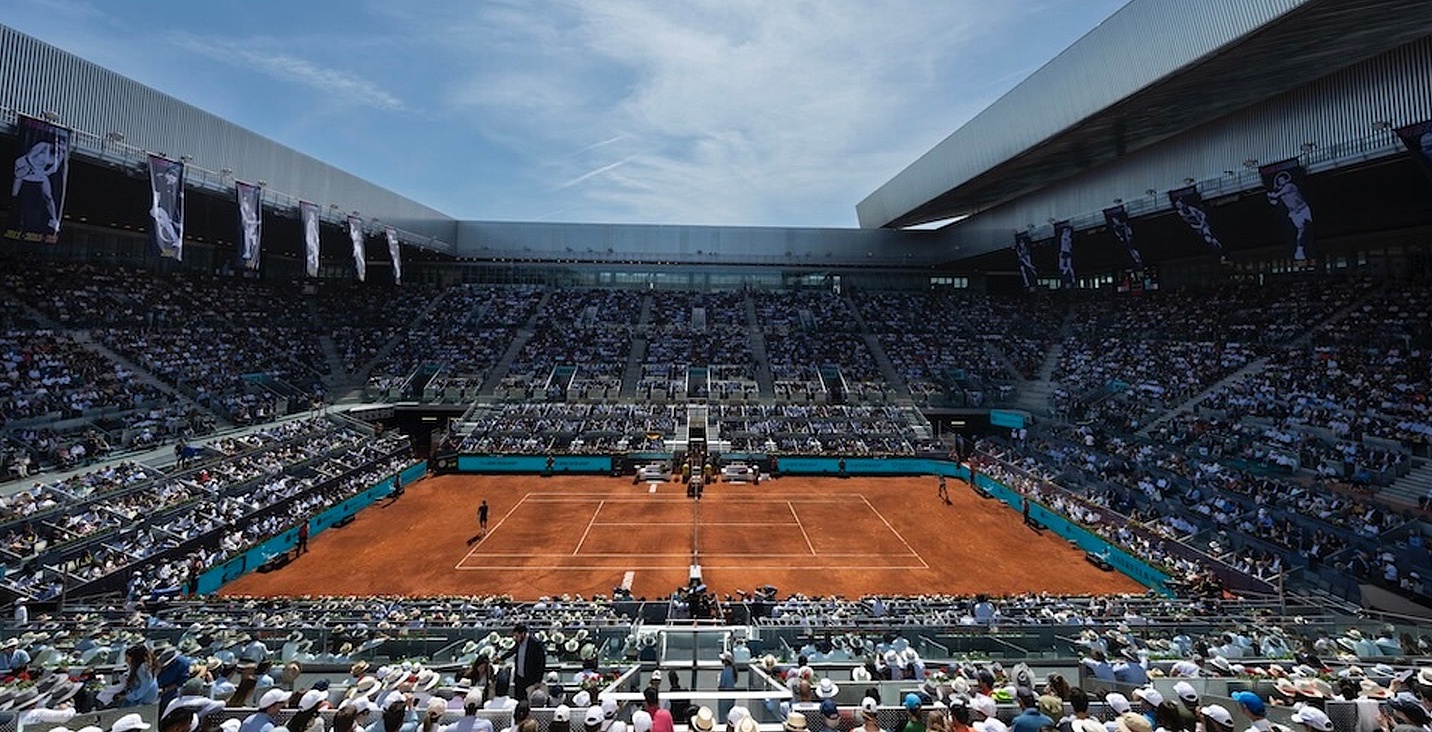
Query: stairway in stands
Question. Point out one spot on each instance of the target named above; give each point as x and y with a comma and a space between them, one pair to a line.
360, 377
882, 360
524, 334
141, 374
1033, 395
764, 380
1188, 405
631, 373
1406, 491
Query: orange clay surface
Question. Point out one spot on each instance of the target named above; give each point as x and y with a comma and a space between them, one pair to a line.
583, 534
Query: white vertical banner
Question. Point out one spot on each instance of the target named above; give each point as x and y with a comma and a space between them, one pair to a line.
166, 208
355, 234
309, 213
250, 223
395, 253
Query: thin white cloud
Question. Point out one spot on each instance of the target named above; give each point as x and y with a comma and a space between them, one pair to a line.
745, 111
594, 173
337, 84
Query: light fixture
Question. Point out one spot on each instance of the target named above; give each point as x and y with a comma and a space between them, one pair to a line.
1381, 125
115, 136
263, 183
1309, 147
1188, 181
50, 115
1118, 200
186, 158
1151, 192
1051, 219
1229, 173
1250, 163
226, 173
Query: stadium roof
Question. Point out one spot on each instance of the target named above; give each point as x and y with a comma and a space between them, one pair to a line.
1152, 70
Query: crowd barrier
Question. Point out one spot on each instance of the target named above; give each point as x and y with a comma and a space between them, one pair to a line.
534, 463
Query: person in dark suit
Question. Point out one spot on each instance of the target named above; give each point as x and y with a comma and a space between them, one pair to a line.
529, 662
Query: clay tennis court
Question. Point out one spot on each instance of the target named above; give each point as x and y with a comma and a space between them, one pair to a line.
582, 534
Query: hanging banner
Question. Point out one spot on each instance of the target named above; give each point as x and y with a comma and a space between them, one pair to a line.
309, 213
395, 254
1064, 237
1118, 220
251, 223
41, 171
1189, 206
355, 234
1418, 139
1025, 260
166, 208
1285, 182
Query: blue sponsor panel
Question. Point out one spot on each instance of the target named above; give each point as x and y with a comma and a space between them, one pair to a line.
861, 466
1005, 418
237, 566
533, 464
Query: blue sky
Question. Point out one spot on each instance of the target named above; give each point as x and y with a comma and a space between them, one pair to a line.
743, 112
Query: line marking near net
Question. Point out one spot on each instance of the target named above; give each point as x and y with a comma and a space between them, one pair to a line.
495, 527
801, 526
583, 540
897, 534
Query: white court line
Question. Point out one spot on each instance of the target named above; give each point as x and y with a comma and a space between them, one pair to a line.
668, 498
627, 580
505, 555
801, 526
589, 528
704, 566
652, 487
896, 533
495, 526
688, 523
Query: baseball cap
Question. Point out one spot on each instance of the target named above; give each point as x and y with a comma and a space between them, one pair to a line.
270, 698
1250, 701
1149, 694
562, 713
868, 707
1185, 691
828, 709
609, 708
985, 705
1118, 702
641, 720
912, 701
1218, 715
593, 716
1314, 718
128, 722
311, 699
1051, 706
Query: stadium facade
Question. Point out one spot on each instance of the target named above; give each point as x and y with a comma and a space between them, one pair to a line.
1161, 95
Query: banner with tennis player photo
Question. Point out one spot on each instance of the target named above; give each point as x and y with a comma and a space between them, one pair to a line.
251, 223
308, 212
395, 254
1064, 238
166, 206
1189, 206
1418, 139
1285, 183
355, 234
1117, 217
41, 171
1024, 259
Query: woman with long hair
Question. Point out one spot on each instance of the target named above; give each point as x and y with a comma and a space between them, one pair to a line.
140, 686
